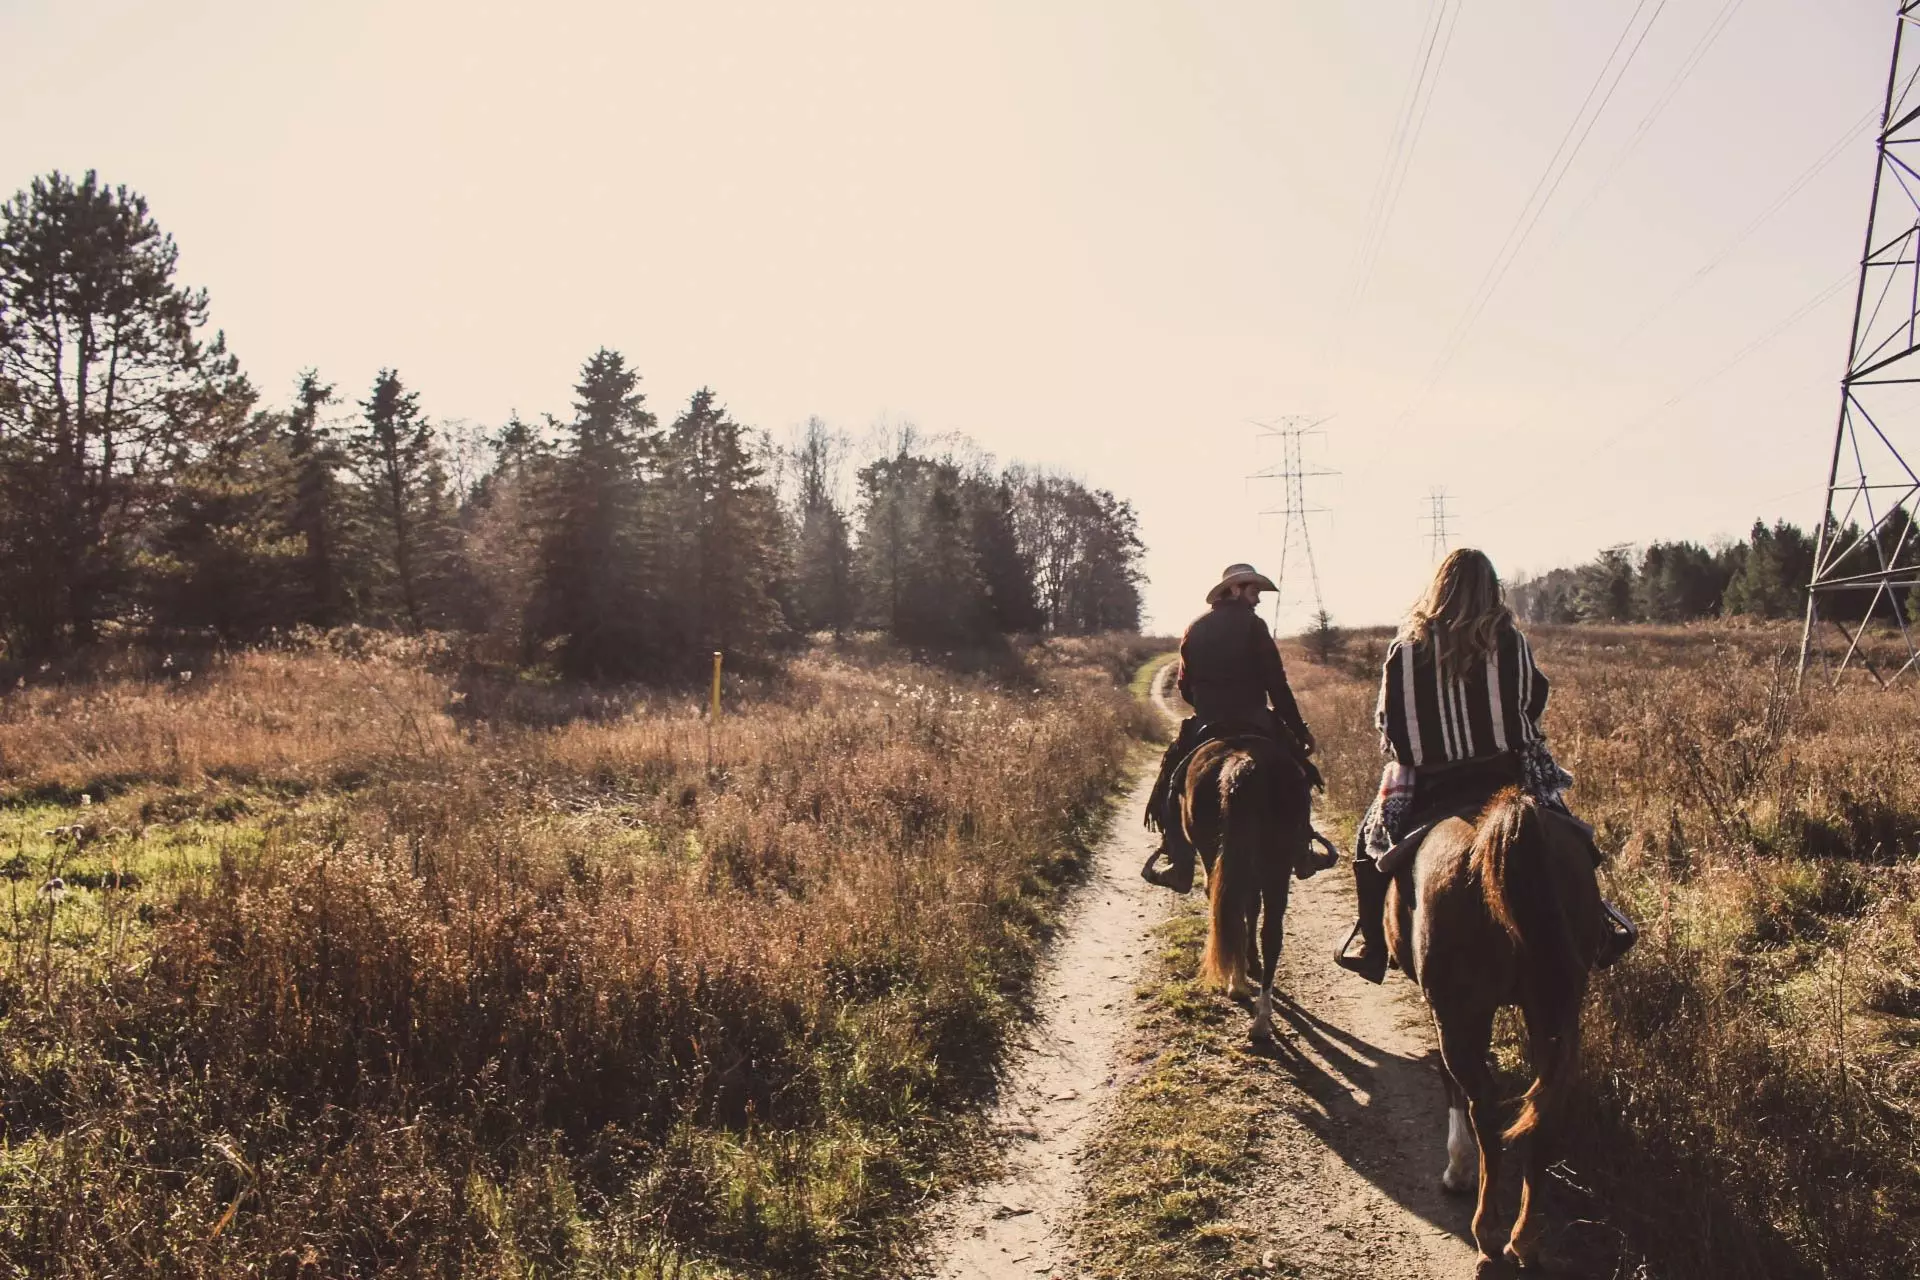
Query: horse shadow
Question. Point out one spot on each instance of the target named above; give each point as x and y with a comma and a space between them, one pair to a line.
1383, 1113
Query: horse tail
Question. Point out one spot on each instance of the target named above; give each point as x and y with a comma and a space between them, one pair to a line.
1510, 857
1233, 878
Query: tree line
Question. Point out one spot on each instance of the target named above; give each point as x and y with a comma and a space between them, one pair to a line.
147, 490
1765, 576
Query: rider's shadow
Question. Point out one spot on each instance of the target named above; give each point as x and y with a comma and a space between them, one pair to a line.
1370, 1099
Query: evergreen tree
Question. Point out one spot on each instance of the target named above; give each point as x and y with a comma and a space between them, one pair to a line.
105, 386
728, 526
392, 448
1771, 578
1005, 571
1680, 581
318, 514
823, 579
590, 597
1606, 589
221, 557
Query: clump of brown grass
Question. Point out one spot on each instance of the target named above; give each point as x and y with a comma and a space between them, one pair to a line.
505, 995
1754, 1066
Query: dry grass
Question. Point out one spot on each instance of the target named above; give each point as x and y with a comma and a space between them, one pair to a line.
361, 967
1753, 1071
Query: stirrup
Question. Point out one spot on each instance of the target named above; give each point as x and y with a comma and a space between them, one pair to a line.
1310, 864
1372, 968
1622, 933
1167, 877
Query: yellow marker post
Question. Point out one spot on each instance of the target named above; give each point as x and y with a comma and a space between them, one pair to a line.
713, 709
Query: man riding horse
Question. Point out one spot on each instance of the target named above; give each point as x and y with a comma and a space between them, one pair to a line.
1459, 717
1231, 674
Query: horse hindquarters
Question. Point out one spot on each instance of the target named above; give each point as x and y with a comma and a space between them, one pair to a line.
1516, 861
1511, 855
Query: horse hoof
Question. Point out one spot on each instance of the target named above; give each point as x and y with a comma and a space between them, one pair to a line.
1260, 1033
1521, 1260
1490, 1269
1458, 1186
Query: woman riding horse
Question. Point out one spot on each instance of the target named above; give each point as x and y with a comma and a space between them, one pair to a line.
1459, 717
1230, 669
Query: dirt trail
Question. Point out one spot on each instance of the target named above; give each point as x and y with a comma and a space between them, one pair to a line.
1349, 1172
1068, 1071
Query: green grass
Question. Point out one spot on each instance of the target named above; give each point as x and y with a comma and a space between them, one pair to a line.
1141, 685
1182, 1141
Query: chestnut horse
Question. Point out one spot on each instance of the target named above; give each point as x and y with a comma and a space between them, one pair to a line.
1501, 911
1251, 839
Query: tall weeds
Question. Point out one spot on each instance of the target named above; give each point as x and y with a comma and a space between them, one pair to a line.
528, 990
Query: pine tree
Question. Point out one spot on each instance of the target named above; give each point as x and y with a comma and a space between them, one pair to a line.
727, 527
1771, 578
1006, 573
1606, 588
221, 558
317, 514
392, 447
592, 593
105, 384
822, 597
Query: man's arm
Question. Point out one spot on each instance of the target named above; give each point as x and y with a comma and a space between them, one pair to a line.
1181, 680
1273, 675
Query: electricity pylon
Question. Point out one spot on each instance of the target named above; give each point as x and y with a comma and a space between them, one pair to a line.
1292, 473
1436, 521
1865, 560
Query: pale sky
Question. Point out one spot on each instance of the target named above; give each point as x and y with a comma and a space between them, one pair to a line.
1097, 235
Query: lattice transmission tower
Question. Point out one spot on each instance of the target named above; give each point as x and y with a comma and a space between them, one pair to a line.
1866, 555
1436, 521
1292, 473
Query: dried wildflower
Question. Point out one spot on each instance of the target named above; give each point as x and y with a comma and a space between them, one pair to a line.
54, 889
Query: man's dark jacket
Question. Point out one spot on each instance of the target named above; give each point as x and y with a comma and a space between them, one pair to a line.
1230, 667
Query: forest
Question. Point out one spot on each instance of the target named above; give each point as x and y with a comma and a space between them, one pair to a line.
1763, 578
150, 491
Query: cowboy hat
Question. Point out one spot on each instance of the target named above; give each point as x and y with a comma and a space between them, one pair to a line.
1235, 575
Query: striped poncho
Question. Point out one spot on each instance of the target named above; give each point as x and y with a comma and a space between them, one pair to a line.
1430, 715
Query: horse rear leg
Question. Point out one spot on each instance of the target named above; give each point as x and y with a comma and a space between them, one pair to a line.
1465, 1036
1272, 934
1550, 1055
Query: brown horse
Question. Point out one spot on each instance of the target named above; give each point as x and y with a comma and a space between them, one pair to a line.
1501, 911
1251, 839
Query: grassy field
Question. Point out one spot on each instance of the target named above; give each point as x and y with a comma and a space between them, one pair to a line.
335, 961
1753, 1068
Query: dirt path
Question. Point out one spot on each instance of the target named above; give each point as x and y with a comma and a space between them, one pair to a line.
1353, 1126
1067, 1073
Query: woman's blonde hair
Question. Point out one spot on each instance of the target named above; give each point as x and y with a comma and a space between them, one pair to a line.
1463, 607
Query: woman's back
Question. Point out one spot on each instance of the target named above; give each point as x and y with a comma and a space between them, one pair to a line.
1441, 706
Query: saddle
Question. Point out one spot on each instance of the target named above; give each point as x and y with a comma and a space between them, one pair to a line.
1279, 754
1444, 792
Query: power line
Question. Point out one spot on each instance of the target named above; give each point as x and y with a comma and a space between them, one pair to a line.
1543, 190
1418, 103
1794, 188
1687, 67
